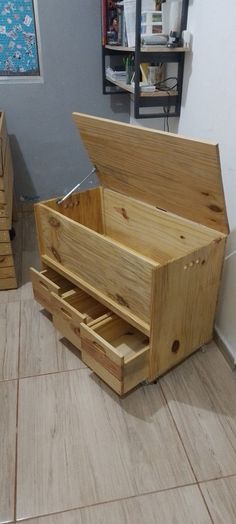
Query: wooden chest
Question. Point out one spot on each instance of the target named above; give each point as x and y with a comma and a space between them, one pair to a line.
132, 268
7, 269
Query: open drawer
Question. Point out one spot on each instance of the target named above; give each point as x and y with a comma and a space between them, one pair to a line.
72, 308
44, 283
116, 351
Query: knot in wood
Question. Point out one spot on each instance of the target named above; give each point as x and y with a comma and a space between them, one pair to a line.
53, 222
56, 254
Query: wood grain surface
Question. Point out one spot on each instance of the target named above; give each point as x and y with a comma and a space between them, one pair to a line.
171, 172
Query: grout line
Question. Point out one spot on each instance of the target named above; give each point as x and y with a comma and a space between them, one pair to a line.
188, 458
78, 508
204, 500
232, 475
8, 380
17, 414
54, 373
18, 380
16, 450
177, 429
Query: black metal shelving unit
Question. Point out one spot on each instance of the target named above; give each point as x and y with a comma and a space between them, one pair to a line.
167, 103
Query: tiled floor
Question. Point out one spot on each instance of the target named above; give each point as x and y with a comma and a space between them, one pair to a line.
72, 452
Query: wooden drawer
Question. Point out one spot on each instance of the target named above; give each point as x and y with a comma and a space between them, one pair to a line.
116, 351
44, 283
72, 308
6, 261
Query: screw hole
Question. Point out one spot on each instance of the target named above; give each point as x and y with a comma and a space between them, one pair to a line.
175, 346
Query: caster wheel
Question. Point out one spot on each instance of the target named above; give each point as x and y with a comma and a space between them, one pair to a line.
12, 233
149, 383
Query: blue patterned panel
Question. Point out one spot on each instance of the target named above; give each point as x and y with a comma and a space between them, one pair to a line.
18, 39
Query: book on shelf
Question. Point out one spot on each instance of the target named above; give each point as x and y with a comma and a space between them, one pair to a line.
104, 21
113, 23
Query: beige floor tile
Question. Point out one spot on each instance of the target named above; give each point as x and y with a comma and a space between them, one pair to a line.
220, 496
200, 394
13, 295
42, 349
8, 394
178, 506
78, 444
9, 339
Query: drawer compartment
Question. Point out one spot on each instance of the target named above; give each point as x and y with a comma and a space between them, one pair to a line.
72, 308
44, 283
116, 351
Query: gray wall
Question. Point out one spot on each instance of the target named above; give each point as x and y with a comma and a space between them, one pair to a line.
47, 152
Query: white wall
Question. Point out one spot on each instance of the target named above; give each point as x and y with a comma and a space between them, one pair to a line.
209, 111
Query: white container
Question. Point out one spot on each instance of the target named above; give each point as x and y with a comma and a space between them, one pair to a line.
151, 22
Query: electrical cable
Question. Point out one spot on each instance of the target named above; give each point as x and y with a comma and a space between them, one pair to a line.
166, 110
161, 86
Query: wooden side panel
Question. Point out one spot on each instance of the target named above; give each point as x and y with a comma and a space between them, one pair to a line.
2, 185
45, 283
68, 328
6, 194
154, 233
171, 172
136, 370
8, 180
103, 373
8, 283
66, 311
4, 236
118, 273
184, 303
6, 261
3, 142
5, 248
7, 272
84, 207
2, 197
3, 220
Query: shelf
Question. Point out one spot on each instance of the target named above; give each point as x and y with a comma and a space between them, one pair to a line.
148, 49
172, 59
130, 89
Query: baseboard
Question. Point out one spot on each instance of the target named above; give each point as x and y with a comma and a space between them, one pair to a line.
224, 349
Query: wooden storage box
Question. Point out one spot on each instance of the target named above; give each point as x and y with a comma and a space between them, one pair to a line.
7, 268
148, 244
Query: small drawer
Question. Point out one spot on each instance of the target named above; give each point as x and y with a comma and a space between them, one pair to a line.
44, 283
116, 351
72, 308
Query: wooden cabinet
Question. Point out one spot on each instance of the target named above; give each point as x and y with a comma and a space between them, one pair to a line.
143, 252
7, 269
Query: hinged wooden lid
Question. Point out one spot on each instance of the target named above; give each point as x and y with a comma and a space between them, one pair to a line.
173, 173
